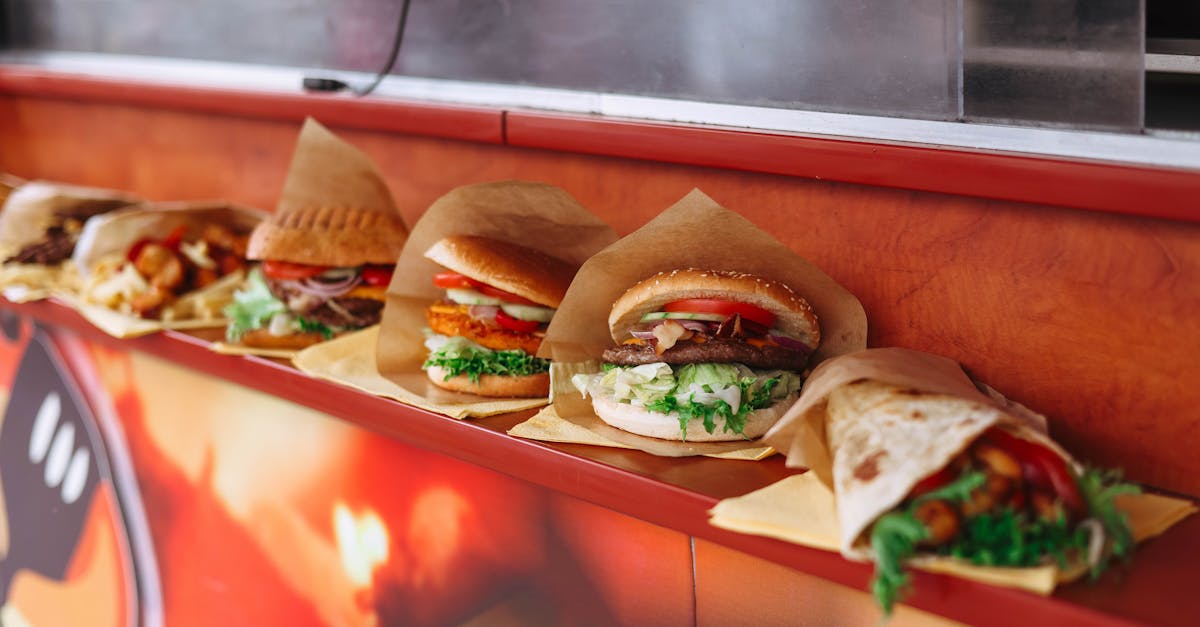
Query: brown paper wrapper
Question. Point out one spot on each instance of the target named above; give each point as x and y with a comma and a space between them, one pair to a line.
802, 510
534, 215
695, 232
113, 233
326, 171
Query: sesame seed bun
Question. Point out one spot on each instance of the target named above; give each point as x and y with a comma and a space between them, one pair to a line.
530, 386
794, 316
329, 236
511, 267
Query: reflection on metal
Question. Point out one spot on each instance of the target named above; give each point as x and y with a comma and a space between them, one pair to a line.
1168, 150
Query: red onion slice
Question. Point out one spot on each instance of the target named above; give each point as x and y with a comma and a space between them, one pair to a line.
642, 335
790, 343
483, 312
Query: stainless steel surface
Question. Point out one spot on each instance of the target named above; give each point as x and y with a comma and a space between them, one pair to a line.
849, 55
1074, 63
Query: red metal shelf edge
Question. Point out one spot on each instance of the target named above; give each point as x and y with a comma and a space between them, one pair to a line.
1123, 189
478, 124
640, 496
1130, 190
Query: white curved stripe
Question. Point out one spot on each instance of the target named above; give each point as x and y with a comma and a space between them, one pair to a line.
60, 455
43, 427
77, 475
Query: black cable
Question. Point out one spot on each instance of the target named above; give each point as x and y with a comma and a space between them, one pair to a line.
333, 84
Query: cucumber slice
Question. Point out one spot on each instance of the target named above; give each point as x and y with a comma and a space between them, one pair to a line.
528, 312
465, 296
682, 315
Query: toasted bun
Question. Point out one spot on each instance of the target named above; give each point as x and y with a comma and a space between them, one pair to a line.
511, 267
638, 420
794, 315
329, 236
261, 338
533, 385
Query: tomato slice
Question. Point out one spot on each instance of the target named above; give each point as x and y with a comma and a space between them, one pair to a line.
514, 324
1041, 467
938, 479
747, 311
377, 274
452, 280
495, 292
289, 270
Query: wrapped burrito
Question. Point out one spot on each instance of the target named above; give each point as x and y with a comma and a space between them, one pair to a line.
39, 226
170, 262
922, 462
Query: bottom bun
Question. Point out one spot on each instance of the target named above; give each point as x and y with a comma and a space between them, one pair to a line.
532, 385
261, 338
639, 420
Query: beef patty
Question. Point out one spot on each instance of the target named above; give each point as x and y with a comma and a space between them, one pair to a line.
713, 350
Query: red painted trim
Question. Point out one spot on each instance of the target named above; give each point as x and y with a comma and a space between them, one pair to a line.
476, 124
1157, 590
1131, 190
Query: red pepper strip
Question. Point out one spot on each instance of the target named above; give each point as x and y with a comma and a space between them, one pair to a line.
136, 249
1041, 467
175, 237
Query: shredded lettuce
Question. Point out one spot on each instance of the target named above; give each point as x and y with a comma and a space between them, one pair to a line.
459, 356
723, 393
253, 306
1002, 537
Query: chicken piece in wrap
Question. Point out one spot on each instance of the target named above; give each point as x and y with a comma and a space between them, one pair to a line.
921, 462
165, 262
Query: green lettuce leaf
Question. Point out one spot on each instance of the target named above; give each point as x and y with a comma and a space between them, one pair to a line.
253, 306
459, 356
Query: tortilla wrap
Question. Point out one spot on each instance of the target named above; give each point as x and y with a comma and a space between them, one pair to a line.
28, 213
872, 424
34, 207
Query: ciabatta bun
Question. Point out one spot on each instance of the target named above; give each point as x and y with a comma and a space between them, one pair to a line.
795, 317
511, 267
531, 386
329, 236
639, 420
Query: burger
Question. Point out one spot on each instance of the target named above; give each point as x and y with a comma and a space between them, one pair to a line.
485, 331
702, 356
323, 271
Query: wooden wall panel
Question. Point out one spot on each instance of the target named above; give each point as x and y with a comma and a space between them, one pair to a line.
1090, 318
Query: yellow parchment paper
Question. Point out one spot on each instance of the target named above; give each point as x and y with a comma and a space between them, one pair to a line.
802, 510
534, 215
695, 232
